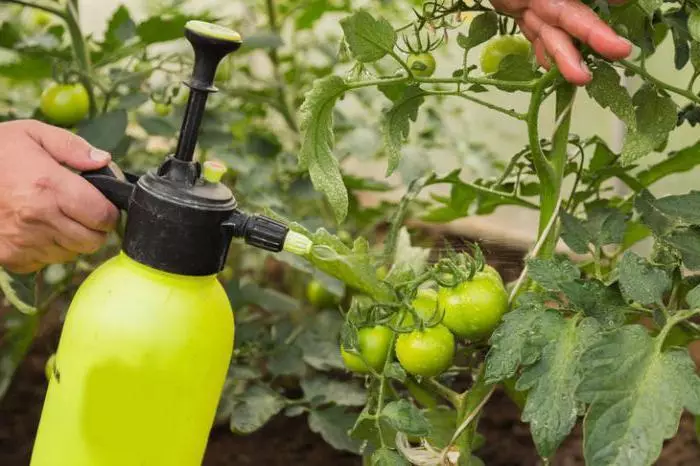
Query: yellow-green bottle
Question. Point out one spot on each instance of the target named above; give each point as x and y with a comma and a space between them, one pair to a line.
147, 340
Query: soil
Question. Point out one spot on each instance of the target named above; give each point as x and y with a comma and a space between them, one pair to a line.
288, 441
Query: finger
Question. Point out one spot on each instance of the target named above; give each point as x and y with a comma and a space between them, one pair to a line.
527, 32
74, 237
541, 54
65, 147
558, 45
581, 22
55, 254
79, 200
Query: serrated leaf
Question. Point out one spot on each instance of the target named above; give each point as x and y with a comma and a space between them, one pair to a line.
552, 407
286, 360
316, 124
403, 416
120, 28
327, 390
333, 424
596, 300
687, 242
637, 394
519, 339
605, 88
552, 273
105, 131
256, 406
481, 29
396, 124
693, 298
606, 225
677, 162
574, 233
515, 68
395, 371
655, 117
640, 281
650, 6
268, 298
694, 25
162, 28
386, 457
369, 39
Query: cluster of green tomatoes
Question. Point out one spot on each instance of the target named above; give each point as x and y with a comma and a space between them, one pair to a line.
467, 311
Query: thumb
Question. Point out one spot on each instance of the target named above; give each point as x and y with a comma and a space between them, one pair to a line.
65, 147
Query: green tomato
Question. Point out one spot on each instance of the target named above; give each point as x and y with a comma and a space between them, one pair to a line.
163, 109
65, 104
492, 273
426, 353
473, 309
374, 345
499, 47
421, 64
319, 296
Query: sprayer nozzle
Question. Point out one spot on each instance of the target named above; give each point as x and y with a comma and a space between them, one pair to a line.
297, 243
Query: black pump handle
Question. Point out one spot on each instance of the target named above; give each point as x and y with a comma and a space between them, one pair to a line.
116, 185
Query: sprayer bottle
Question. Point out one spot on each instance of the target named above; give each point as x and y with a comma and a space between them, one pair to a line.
148, 338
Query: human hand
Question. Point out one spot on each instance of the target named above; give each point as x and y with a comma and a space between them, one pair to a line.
550, 26
48, 214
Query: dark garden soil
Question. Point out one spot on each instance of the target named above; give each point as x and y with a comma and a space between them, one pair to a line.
288, 441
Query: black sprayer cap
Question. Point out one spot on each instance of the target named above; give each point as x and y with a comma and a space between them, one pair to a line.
181, 219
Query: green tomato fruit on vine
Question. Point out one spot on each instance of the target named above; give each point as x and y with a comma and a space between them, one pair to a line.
426, 305
489, 271
163, 109
421, 64
65, 104
473, 308
426, 353
374, 344
319, 296
500, 47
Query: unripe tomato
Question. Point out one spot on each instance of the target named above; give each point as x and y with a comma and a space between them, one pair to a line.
499, 47
426, 304
491, 272
421, 64
473, 308
162, 109
65, 104
319, 296
427, 352
373, 344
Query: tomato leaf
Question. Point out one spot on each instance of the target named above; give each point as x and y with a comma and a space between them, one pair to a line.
552, 273
403, 416
677, 162
605, 88
369, 39
120, 29
316, 123
262, 40
253, 408
396, 123
319, 343
655, 117
481, 29
687, 241
694, 25
386, 457
326, 390
333, 424
519, 340
552, 407
693, 298
105, 131
637, 394
574, 233
516, 68
286, 360
640, 281
162, 28
594, 299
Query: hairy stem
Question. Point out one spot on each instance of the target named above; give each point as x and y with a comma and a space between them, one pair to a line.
676, 90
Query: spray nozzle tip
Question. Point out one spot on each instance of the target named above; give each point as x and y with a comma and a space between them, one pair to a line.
297, 243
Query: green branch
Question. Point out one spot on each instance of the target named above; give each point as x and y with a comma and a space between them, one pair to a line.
48, 9
544, 170
643, 73
506, 85
505, 111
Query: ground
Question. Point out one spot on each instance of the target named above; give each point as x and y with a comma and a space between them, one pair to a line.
288, 441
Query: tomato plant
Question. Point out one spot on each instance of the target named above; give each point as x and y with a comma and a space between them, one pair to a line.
65, 104
606, 304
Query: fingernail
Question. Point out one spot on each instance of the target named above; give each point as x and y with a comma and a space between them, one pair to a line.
99, 155
585, 68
